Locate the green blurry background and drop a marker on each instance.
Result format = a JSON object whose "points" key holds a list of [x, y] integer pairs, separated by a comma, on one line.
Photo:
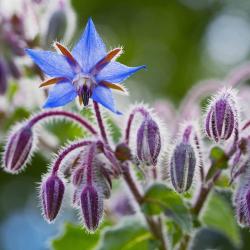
{"points": [[181, 42]]}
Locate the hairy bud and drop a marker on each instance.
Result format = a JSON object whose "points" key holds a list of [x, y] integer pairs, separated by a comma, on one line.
{"points": [[18, 150], [77, 176], [52, 191], [182, 167], [148, 142], [221, 118], [92, 207]]}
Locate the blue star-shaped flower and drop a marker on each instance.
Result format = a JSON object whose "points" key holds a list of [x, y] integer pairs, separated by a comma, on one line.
{"points": [[88, 71]]}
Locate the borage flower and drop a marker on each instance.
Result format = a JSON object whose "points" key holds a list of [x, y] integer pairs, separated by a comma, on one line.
{"points": [[88, 71]]}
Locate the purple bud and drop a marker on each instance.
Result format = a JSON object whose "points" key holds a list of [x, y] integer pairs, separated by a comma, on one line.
{"points": [[221, 118], [18, 150], [148, 142], [182, 167], [3, 76], [77, 176], [52, 191], [92, 207]]}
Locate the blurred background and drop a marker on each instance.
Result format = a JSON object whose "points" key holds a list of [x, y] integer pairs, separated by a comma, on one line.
{"points": [[180, 41]]}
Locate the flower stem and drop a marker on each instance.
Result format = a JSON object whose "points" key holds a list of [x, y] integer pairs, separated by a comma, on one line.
{"points": [[65, 152], [64, 114], [100, 122], [144, 113], [155, 227]]}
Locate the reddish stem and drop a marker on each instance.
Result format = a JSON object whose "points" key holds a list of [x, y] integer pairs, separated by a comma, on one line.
{"points": [[69, 115]]}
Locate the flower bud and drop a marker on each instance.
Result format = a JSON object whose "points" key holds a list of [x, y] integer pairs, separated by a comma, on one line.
{"points": [[92, 207], [148, 142], [18, 150], [221, 117], [56, 27], [77, 176], [13, 69], [52, 191], [3, 76], [182, 167]]}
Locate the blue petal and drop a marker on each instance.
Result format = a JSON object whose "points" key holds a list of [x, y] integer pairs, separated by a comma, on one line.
{"points": [[116, 72], [90, 48], [51, 63], [61, 94], [103, 95]]}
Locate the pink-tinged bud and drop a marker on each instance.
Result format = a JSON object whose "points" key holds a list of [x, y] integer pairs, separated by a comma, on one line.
{"points": [[52, 191], [182, 167], [222, 117], [3, 76], [92, 207], [148, 142], [18, 150]]}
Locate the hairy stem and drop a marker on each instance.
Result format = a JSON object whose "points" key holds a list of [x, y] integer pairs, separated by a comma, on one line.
{"points": [[155, 227], [65, 152], [143, 112], [63, 114], [100, 122]]}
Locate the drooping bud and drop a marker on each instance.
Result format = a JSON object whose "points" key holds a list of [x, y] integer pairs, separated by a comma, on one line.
{"points": [[52, 191], [19, 149], [221, 118], [148, 142], [3, 76], [92, 207], [183, 162]]}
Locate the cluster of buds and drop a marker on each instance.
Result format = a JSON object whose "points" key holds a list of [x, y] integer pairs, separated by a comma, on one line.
{"points": [[183, 161]]}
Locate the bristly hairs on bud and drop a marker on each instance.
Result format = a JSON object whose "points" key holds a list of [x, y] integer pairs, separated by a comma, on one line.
{"points": [[241, 198], [187, 134], [39, 190], [14, 130], [227, 130], [137, 121]]}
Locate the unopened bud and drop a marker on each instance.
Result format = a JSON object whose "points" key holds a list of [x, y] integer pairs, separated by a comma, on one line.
{"points": [[182, 167], [19, 149], [92, 207], [242, 204], [221, 118], [3, 76], [57, 26], [77, 176], [13, 69], [52, 191], [148, 142]]}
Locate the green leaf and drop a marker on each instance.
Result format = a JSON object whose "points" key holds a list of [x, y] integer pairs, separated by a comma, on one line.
{"points": [[74, 236], [219, 160], [207, 238], [130, 234], [174, 233], [219, 215], [160, 198]]}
